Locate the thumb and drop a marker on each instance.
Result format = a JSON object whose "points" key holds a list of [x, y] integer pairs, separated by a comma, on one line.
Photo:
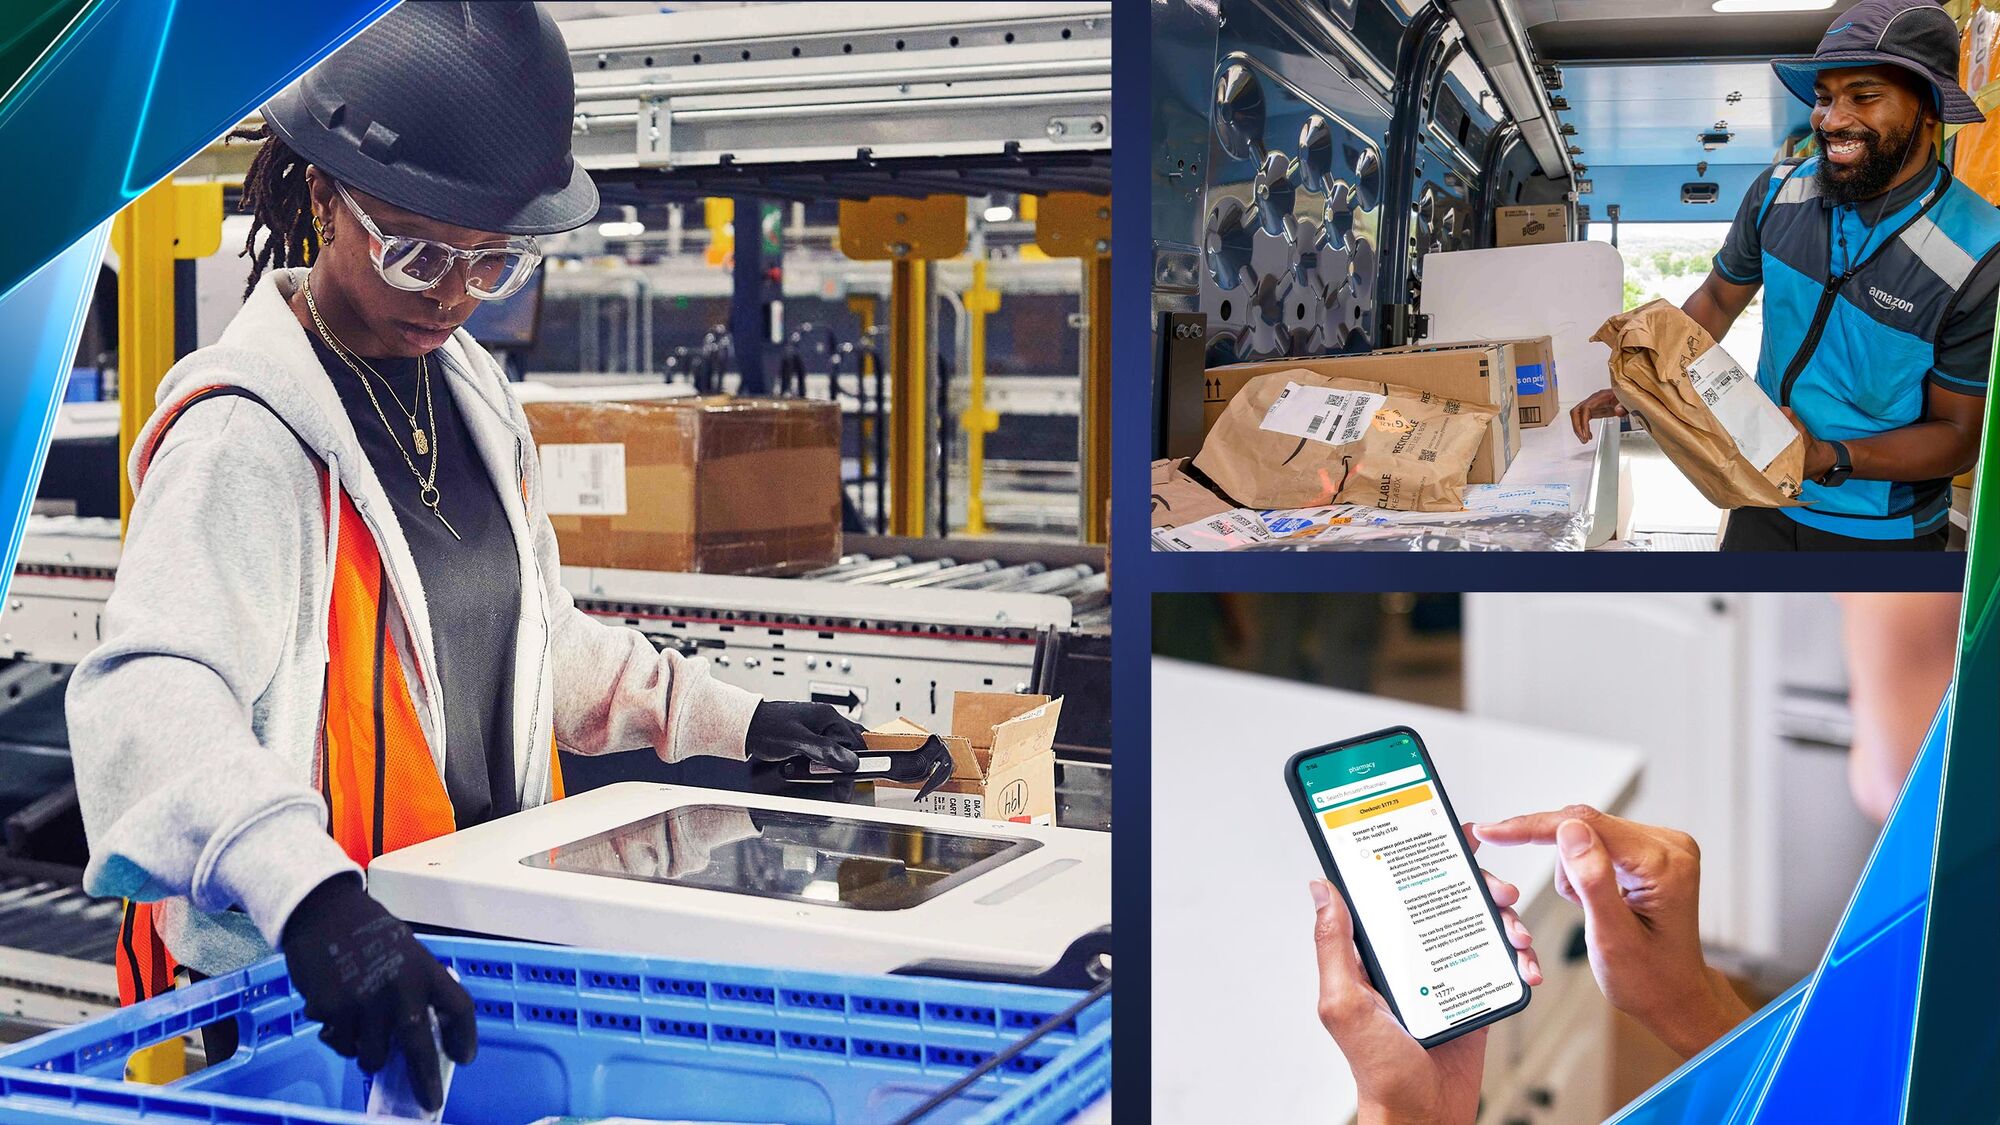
{"points": [[1588, 867], [1333, 937], [829, 752]]}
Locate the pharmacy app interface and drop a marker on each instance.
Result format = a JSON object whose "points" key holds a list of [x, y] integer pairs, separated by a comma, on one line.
{"points": [[1411, 882]]}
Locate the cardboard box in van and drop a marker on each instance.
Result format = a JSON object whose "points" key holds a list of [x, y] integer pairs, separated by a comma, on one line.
{"points": [[1534, 376], [1003, 756], [1531, 225], [1535, 381], [1477, 372]]}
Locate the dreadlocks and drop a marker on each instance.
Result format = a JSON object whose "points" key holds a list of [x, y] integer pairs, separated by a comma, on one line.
{"points": [[275, 194]]}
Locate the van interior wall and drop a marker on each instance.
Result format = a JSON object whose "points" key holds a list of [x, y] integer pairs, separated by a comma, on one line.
{"points": [[1302, 169]]}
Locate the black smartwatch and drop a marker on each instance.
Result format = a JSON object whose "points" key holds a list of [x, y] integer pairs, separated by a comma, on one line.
{"points": [[1843, 466]]}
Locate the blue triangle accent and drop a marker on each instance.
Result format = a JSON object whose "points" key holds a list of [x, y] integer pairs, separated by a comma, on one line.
{"points": [[1836, 1045], [40, 319]]}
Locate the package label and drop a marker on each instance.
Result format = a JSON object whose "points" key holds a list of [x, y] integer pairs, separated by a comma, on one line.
{"points": [[1761, 431], [958, 804], [584, 480], [1234, 528], [974, 805], [1530, 378], [1322, 414], [1282, 522]]}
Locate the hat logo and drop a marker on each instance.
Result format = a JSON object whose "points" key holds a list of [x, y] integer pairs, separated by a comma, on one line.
{"points": [[1833, 31]]}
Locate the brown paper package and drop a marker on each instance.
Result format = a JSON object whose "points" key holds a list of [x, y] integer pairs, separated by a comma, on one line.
{"points": [[1178, 500], [1414, 457], [1651, 347]]}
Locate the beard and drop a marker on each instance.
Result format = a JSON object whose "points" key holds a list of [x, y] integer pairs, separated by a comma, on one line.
{"points": [[1882, 156]]}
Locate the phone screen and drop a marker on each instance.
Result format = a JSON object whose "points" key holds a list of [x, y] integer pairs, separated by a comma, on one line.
{"points": [[1411, 882]]}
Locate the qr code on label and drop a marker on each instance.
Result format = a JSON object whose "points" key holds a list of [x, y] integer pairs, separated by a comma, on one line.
{"points": [[1427, 455]]}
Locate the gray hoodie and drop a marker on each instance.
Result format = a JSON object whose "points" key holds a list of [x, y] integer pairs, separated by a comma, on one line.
{"points": [[195, 726]]}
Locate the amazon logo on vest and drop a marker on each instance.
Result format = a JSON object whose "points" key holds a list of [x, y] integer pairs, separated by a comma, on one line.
{"points": [[1890, 302]]}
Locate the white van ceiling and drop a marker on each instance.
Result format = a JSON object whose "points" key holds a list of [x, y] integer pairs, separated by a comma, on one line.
{"points": [[1569, 30]]}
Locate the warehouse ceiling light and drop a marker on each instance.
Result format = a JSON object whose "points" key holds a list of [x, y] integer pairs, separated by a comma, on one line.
{"points": [[621, 229], [1735, 6], [999, 213]]}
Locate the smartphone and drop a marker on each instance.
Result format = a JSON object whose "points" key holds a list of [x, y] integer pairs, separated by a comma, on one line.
{"points": [[1429, 933]]}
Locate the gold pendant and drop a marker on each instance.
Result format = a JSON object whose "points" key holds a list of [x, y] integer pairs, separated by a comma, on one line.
{"points": [[423, 443]]}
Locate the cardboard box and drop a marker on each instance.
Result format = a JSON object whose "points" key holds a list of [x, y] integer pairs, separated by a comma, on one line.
{"points": [[1534, 375], [1003, 756], [1535, 381], [1479, 372], [714, 485], [1531, 225]]}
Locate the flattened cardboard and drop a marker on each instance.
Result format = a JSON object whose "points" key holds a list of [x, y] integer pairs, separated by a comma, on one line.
{"points": [[1178, 500], [1531, 225], [1002, 755], [1472, 373], [714, 485]]}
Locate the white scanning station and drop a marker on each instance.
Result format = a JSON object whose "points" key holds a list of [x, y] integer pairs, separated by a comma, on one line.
{"points": [[677, 871]]}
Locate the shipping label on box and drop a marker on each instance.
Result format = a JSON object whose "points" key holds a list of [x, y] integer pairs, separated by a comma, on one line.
{"points": [[584, 480]]}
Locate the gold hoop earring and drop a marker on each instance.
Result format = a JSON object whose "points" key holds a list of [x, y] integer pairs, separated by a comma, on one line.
{"points": [[325, 236]]}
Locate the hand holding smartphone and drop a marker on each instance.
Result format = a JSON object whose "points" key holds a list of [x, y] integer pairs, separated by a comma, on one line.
{"points": [[1427, 928]]}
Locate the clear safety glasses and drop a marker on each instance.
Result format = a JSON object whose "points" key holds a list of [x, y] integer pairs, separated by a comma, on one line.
{"points": [[417, 264]]}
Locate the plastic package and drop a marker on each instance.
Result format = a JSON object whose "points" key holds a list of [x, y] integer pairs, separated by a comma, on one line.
{"points": [[1496, 517], [392, 1094]]}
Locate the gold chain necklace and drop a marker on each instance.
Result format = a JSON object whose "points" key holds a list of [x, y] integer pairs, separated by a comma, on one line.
{"points": [[427, 490], [418, 437]]}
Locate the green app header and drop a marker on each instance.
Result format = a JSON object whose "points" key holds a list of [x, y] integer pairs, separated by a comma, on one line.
{"points": [[1359, 762]]}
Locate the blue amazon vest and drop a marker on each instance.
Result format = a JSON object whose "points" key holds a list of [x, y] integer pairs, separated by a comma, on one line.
{"points": [[1852, 315]]}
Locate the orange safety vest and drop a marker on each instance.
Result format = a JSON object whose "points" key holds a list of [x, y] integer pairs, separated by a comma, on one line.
{"points": [[381, 786]]}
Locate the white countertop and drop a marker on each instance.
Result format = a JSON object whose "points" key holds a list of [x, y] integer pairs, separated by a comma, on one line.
{"points": [[1235, 1032]]}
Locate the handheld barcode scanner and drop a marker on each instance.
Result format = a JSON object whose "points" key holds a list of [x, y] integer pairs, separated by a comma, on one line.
{"points": [[929, 763]]}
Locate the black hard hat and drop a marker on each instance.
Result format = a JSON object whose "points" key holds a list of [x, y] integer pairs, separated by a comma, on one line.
{"points": [[457, 111]]}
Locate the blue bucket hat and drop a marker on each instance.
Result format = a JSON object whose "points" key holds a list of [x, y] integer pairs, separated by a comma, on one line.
{"points": [[1915, 35]]}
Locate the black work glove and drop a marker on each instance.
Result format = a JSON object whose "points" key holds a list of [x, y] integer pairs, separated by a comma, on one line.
{"points": [[929, 763], [781, 730], [372, 986]]}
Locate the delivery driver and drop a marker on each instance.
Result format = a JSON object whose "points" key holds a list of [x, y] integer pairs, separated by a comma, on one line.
{"points": [[338, 628], [1879, 272]]}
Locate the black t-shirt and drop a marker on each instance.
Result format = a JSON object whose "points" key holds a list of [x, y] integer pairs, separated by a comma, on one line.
{"points": [[472, 583]]}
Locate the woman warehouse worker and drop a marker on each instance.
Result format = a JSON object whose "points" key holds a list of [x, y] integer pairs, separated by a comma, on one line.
{"points": [[338, 628]]}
